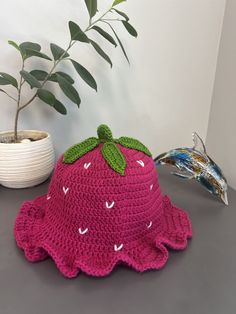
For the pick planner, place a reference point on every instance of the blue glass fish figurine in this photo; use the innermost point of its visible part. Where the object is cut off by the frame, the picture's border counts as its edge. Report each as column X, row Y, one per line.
column 194, row 163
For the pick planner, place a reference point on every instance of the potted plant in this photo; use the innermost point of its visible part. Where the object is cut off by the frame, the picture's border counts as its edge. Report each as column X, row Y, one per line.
column 27, row 157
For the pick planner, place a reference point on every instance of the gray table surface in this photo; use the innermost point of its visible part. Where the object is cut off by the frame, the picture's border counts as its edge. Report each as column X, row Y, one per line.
column 199, row 280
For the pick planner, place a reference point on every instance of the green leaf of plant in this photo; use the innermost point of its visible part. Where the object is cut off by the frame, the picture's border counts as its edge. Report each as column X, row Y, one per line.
column 2, row 91
column 35, row 53
column 46, row 96
column 28, row 45
column 133, row 144
column 59, row 107
column 132, row 31
column 122, row 14
column 77, row 151
column 39, row 74
column 77, row 34
column 101, row 52
column 30, row 79
column 105, row 35
column 116, row 2
column 3, row 81
column 7, row 79
column 85, row 75
column 92, row 7
column 68, row 90
column 58, row 52
column 114, row 157
column 53, row 77
column 120, row 43
column 13, row 44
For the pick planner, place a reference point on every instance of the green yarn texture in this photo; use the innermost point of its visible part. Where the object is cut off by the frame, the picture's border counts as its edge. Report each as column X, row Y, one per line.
column 134, row 144
column 79, row 150
column 104, row 133
column 114, row 157
column 110, row 150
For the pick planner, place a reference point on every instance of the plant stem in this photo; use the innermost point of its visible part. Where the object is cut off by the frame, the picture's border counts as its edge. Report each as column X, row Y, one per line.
column 18, row 105
column 113, row 20
column 99, row 19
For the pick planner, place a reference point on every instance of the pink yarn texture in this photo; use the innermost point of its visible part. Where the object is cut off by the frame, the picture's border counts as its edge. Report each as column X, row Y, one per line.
column 93, row 219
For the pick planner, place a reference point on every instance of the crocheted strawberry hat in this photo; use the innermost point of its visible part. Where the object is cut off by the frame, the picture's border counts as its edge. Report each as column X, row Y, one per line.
column 104, row 207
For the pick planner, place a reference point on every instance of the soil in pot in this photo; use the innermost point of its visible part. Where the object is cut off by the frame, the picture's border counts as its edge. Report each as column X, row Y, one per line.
column 23, row 137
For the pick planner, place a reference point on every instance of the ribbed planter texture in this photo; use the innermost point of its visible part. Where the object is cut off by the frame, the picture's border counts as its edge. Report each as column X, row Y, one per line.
column 27, row 163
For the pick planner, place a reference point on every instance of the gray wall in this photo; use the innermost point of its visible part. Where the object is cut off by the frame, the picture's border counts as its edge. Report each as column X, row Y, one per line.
column 221, row 137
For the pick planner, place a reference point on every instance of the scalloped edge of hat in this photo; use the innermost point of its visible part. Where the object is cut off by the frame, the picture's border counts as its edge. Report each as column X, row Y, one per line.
column 23, row 230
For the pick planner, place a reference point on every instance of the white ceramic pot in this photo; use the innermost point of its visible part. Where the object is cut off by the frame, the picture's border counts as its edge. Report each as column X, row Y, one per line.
column 27, row 163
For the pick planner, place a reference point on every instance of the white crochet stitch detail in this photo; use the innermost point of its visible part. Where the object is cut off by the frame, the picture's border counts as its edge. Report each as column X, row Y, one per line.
column 149, row 225
column 83, row 231
column 141, row 163
column 118, row 248
column 65, row 190
column 110, row 205
column 87, row 165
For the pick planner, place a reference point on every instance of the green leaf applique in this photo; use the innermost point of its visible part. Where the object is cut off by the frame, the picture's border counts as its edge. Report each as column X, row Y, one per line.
column 109, row 149
column 104, row 133
column 114, row 157
column 79, row 150
column 133, row 144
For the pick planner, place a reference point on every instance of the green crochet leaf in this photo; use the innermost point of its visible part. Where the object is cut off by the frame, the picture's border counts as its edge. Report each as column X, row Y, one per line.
column 104, row 133
column 133, row 144
column 109, row 149
column 114, row 157
column 79, row 150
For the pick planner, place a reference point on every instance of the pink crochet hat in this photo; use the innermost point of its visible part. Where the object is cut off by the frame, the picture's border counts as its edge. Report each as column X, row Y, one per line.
column 104, row 207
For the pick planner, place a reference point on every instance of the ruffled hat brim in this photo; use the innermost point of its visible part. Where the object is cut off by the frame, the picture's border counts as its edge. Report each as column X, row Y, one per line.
column 148, row 252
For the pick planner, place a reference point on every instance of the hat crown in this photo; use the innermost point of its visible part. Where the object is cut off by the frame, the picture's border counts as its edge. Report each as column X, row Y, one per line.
column 90, row 195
